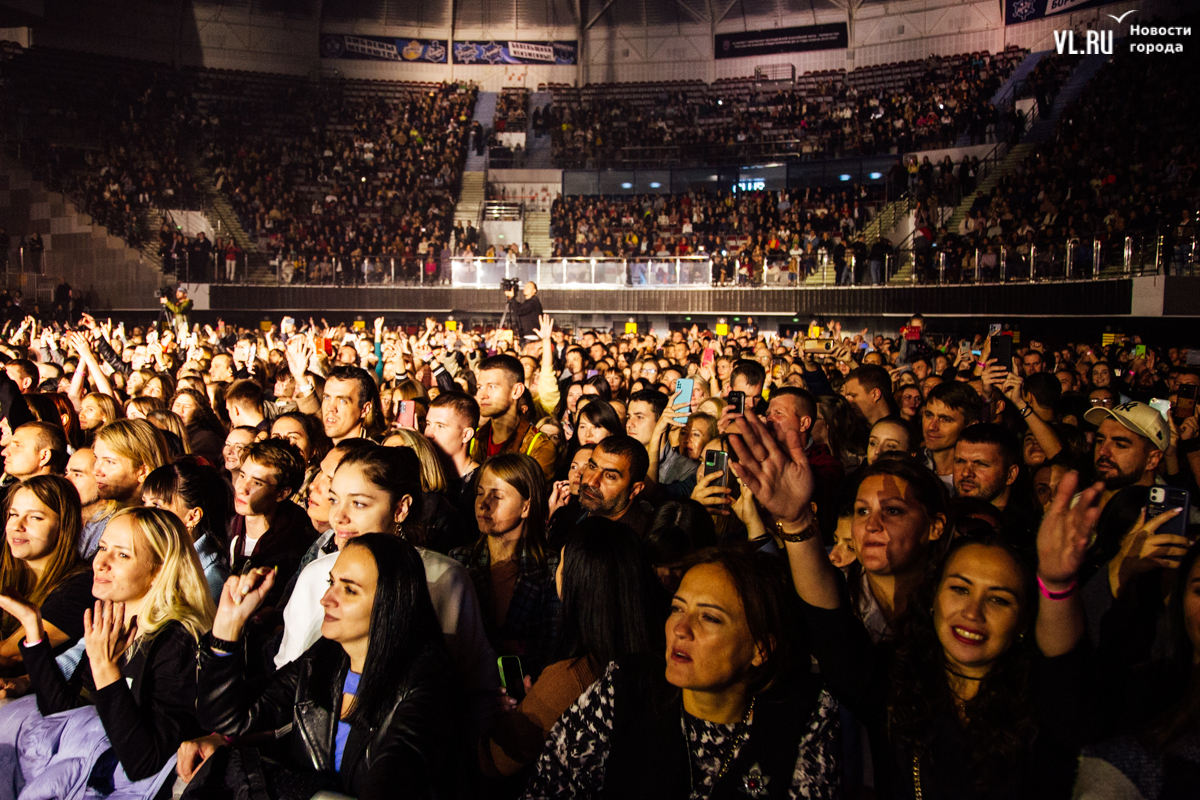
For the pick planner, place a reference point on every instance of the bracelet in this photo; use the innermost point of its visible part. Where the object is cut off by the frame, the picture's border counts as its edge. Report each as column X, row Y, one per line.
column 763, row 538
column 1026, row 411
column 28, row 643
column 1063, row 595
column 803, row 535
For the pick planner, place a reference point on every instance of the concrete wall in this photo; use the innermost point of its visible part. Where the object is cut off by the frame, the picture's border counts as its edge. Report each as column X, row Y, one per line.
column 112, row 274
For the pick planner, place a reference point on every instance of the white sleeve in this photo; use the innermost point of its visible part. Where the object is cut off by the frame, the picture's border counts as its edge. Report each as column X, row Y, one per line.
column 302, row 615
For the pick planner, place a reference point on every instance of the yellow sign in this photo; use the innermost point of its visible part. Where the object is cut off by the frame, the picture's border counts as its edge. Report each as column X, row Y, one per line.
column 451, row 325
column 265, row 325
column 814, row 331
column 722, row 329
column 360, row 324
column 631, row 327
column 1107, row 339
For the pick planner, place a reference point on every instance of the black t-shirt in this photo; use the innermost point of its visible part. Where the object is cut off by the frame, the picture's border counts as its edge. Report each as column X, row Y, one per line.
column 65, row 606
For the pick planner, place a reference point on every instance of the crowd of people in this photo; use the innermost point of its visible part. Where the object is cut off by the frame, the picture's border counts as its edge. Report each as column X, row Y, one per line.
column 705, row 125
column 753, row 237
column 349, row 182
column 111, row 140
column 849, row 564
column 1123, row 164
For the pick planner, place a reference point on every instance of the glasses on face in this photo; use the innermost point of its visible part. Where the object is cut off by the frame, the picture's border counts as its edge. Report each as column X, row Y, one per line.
column 1107, row 402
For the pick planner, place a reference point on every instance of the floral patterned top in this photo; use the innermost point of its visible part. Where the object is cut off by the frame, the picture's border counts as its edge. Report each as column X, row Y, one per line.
column 572, row 765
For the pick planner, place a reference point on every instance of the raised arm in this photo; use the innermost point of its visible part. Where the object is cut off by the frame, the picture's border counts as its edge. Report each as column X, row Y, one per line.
column 783, row 484
column 1062, row 544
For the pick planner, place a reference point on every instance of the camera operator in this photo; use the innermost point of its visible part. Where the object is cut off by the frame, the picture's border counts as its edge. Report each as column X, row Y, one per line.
column 178, row 310
column 523, row 313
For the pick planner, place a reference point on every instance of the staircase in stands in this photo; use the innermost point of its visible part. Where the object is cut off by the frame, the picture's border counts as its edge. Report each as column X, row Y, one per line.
column 1039, row 133
column 225, row 222
column 537, row 233
column 470, row 198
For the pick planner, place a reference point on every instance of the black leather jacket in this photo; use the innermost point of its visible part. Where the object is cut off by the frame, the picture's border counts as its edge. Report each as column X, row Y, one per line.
column 406, row 757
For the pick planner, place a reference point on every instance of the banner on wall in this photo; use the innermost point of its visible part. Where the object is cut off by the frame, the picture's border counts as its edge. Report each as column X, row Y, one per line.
column 383, row 48
column 834, row 36
column 512, row 52
column 1018, row 11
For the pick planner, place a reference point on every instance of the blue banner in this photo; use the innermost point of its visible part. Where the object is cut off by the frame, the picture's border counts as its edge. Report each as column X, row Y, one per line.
column 513, row 52
column 383, row 48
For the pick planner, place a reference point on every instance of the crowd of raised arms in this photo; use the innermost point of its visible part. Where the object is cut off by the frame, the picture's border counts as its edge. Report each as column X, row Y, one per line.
column 304, row 559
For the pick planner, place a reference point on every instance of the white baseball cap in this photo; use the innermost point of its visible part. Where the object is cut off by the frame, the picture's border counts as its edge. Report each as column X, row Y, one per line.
column 1137, row 417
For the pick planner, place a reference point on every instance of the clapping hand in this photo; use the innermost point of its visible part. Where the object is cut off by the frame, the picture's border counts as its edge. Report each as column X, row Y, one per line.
column 106, row 637
column 27, row 614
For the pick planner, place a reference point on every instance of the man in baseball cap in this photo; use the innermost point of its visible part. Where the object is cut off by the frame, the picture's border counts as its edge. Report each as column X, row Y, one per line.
column 1130, row 442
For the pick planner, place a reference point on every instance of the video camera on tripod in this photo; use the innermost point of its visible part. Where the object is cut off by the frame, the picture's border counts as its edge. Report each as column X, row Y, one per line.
column 510, row 285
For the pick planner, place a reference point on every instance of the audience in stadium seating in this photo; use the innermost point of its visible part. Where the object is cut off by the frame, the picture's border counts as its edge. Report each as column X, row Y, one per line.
column 1122, row 164
column 374, row 177
column 756, row 232
column 843, row 115
column 109, row 133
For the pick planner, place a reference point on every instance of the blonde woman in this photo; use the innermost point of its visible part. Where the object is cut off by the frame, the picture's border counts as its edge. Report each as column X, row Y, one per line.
column 172, row 423
column 152, row 606
column 445, row 527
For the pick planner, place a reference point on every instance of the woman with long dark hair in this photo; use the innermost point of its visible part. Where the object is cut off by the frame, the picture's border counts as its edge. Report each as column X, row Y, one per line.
column 378, row 490
column 733, row 708
column 978, row 695
column 40, row 562
column 368, row 707
column 204, row 430
column 201, row 499
column 598, row 626
column 510, row 561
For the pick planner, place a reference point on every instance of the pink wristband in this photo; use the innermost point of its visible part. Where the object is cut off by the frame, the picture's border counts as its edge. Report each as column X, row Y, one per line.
column 1063, row 595
column 32, row 644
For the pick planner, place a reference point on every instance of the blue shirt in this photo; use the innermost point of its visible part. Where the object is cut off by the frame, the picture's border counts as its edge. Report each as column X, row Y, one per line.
column 343, row 728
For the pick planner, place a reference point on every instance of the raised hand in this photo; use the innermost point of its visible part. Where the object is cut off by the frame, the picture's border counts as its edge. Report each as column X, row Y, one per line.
column 28, row 615
column 712, row 495
column 240, row 598
column 559, row 496
column 781, row 480
column 1013, row 387
column 545, row 327
column 1065, row 532
column 1145, row 549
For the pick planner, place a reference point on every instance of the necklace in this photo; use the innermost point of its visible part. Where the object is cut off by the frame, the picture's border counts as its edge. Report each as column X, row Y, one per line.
column 740, row 734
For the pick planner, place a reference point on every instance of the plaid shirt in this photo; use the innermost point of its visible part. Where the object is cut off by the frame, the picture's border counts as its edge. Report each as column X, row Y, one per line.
column 533, row 612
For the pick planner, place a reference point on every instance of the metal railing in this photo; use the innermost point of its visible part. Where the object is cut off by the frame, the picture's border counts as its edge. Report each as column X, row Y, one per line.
column 602, row 272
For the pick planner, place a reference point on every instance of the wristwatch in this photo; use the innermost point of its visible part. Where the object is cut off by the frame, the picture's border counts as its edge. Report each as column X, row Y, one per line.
column 223, row 645
column 803, row 535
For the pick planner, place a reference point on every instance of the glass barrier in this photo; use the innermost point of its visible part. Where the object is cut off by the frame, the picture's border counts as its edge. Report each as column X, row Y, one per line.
column 599, row 273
